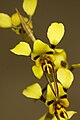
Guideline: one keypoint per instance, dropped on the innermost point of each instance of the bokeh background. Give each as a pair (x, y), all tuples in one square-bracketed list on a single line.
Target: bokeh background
[(15, 71)]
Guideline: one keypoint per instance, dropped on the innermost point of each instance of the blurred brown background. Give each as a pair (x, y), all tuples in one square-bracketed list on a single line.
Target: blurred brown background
[(15, 71)]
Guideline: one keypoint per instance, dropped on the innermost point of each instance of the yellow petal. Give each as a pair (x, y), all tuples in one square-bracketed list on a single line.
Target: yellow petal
[(60, 56), (22, 48), (50, 95), (60, 51), (33, 91), (62, 113), (55, 33), (64, 102), (38, 72), (15, 19), (29, 6), (40, 48), (5, 21), (71, 113), (51, 109), (65, 77), (60, 90)]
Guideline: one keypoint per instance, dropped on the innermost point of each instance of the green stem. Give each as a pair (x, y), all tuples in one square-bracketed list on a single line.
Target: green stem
[(26, 27)]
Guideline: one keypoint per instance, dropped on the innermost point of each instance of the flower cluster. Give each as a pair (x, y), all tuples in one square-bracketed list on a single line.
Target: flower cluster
[(49, 61)]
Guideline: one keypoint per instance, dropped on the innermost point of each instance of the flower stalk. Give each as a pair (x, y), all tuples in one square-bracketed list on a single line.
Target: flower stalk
[(55, 82), (49, 83), (26, 26)]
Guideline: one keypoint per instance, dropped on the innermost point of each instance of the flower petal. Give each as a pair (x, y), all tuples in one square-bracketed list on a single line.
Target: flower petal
[(22, 48), (51, 109), (5, 20), (40, 47), (60, 58), (71, 113), (64, 102), (33, 91), (60, 90), (38, 72), (50, 95), (29, 6), (15, 19), (65, 77), (55, 33)]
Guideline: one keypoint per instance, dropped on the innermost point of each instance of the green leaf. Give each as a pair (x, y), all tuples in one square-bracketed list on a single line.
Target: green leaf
[(22, 48), (29, 6), (5, 21), (33, 91)]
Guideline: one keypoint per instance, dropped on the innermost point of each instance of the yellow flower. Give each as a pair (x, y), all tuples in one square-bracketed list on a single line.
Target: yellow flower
[(13, 22), (45, 58), (57, 105), (16, 24), (42, 55)]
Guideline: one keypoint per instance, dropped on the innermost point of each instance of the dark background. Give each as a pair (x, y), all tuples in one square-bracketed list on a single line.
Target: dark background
[(15, 71)]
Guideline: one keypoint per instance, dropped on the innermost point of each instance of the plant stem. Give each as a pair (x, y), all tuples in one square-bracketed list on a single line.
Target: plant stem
[(50, 83), (26, 27), (55, 82)]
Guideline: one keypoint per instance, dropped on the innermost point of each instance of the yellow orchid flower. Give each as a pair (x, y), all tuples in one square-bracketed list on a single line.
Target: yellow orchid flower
[(16, 23), (44, 57), (13, 22), (57, 105)]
